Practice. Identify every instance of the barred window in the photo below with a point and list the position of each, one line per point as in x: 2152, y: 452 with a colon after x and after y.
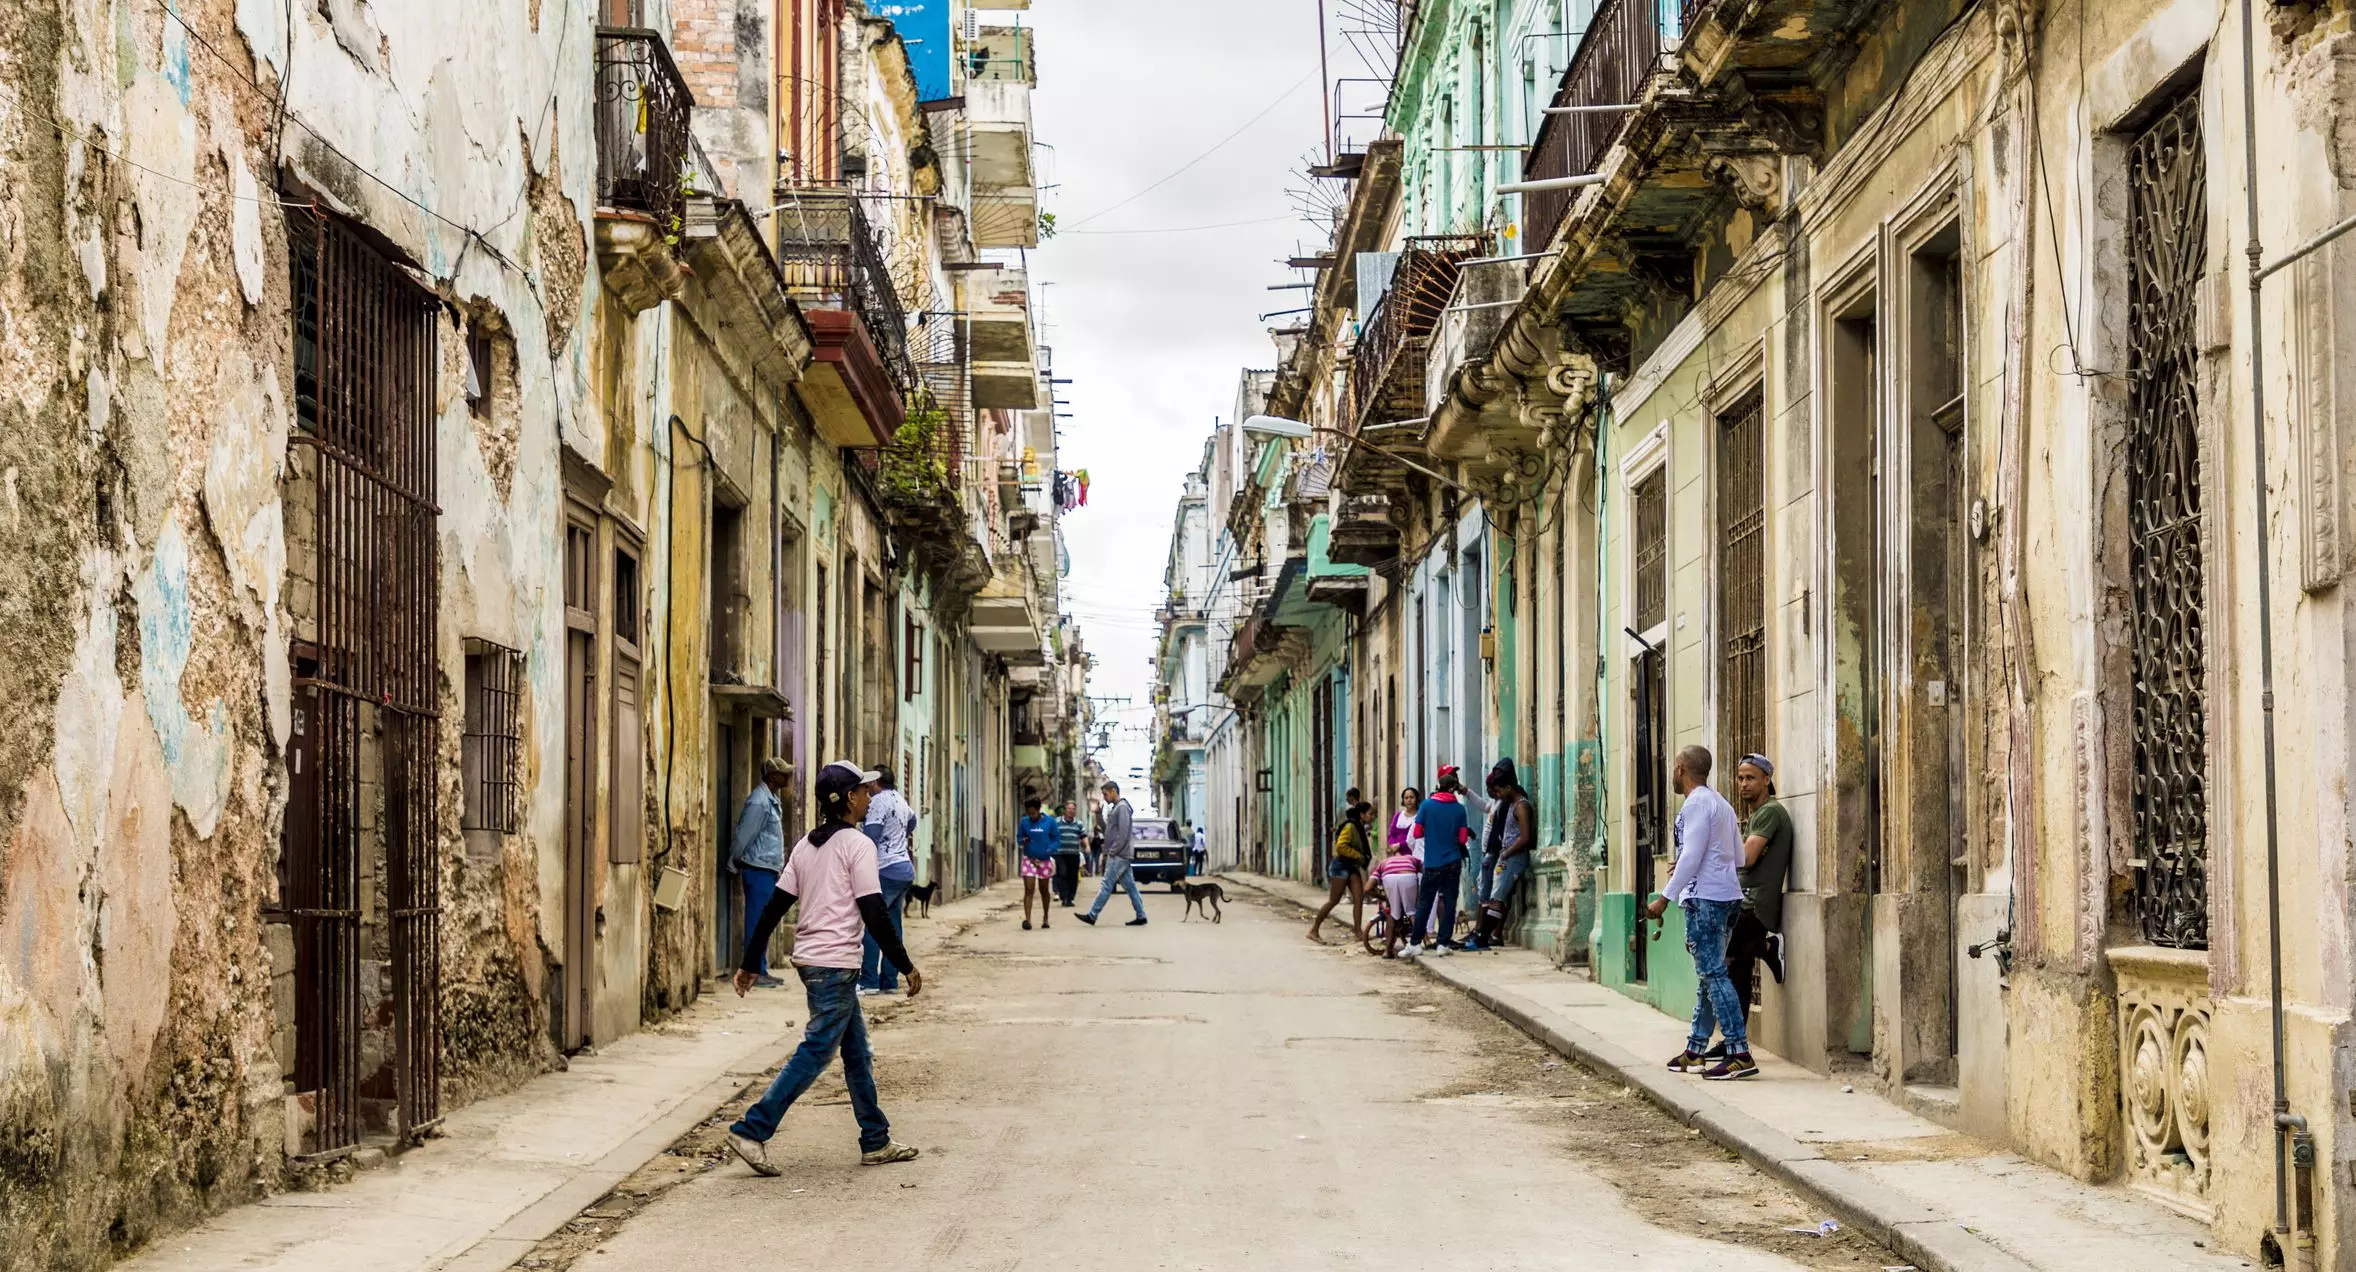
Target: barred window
x: 1742, y: 570
x: 491, y: 750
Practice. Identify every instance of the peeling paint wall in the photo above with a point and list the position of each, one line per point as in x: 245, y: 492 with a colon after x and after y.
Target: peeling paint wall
x: 148, y: 554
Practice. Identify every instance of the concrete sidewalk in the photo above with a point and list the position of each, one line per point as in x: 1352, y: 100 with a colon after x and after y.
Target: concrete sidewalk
x: 1944, y: 1201
x: 512, y: 1169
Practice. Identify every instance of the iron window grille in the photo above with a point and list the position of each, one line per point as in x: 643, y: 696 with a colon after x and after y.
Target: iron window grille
x: 491, y: 746
x: 1651, y: 508
x: 2167, y: 239
x: 1742, y: 602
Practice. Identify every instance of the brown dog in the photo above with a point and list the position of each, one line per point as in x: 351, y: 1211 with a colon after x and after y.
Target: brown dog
x: 1199, y: 893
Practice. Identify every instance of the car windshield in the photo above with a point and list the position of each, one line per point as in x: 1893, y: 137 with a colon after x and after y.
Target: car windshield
x: 1151, y: 828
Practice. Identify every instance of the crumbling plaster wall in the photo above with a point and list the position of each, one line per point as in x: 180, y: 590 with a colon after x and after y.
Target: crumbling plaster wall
x: 144, y: 416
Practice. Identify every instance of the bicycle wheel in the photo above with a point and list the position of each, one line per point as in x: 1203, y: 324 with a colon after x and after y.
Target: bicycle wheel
x: 1378, y: 934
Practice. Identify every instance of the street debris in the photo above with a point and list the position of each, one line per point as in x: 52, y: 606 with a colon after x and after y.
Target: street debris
x: 1824, y: 1229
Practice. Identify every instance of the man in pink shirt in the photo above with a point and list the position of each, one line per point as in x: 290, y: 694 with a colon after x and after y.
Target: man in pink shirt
x: 832, y: 873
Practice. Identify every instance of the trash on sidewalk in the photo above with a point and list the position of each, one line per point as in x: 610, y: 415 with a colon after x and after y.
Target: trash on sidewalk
x: 1824, y: 1229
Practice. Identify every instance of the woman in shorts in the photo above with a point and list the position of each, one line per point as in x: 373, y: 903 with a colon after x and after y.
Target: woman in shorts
x: 1346, y: 869
x: 1038, y: 836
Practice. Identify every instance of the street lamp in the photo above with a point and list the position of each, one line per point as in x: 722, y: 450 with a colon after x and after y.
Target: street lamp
x: 1278, y: 426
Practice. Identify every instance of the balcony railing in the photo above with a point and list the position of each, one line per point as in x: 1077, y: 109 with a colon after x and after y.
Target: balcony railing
x: 1387, y: 372
x: 1621, y: 48
x: 825, y: 244
x: 643, y: 108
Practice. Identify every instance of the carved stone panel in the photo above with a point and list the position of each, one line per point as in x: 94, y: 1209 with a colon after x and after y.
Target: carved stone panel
x: 2164, y: 1078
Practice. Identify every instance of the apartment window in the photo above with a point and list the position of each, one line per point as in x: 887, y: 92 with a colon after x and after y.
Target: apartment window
x: 626, y: 599
x: 489, y: 747
x: 1651, y: 508
x: 1742, y: 597
x: 2167, y: 234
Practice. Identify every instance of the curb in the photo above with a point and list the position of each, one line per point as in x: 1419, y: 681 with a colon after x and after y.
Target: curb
x: 1929, y: 1239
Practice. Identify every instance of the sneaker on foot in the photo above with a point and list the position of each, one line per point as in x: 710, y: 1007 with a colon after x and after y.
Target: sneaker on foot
x: 1139, y: 921
x: 889, y: 1153
x: 767, y: 982
x: 1716, y: 1052
x: 870, y: 991
x: 1088, y: 919
x: 1737, y: 1065
x: 1685, y: 1062
x: 755, y: 1155
x: 1412, y: 951
x: 1442, y: 948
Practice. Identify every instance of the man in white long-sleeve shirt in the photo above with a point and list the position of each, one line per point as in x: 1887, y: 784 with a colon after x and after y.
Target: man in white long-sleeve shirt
x: 1707, y: 884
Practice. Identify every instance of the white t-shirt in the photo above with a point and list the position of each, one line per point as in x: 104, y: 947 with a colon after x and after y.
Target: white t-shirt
x: 829, y: 879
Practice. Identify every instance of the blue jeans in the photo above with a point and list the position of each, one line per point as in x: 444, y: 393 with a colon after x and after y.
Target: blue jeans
x: 1716, y: 1008
x: 835, y: 1025
x: 1117, y: 874
x: 876, y: 971
x: 1437, y: 889
x: 1508, y: 873
x: 758, y: 884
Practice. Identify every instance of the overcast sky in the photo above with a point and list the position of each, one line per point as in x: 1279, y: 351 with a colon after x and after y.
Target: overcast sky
x: 1153, y: 327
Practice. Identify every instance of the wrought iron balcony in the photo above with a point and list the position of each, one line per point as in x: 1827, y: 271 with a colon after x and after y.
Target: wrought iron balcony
x: 831, y: 258
x: 1621, y: 49
x: 1387, y: 372
x: 643, y: 108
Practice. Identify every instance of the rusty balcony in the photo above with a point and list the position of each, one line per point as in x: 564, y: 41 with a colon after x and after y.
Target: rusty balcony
x: 1388, y: 370
x: 643, y: 108
x: 1621, y: 50
x: 834, y: 268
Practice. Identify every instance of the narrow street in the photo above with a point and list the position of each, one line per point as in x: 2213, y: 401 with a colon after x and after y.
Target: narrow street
x: 1190, y: 1095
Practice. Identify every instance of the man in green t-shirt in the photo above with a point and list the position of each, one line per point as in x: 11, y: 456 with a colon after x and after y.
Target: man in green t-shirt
x: 1766, y: 863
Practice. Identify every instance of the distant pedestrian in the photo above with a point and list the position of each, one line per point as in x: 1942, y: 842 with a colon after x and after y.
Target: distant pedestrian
x: 1345, y: 869
x: 1071, y: 847
x: 891, y: 823
x: 1198, y: 850
x: 1767, y: 857
x: 1513, y: 831
x: 1707, y: 884
x: 1403, y: 826
x: 1118, y: 857
x: 1445, y: 827
x: 1397, y: 875
x: 757, y: 850
x: 1037, y: 836
x: 832, y: 874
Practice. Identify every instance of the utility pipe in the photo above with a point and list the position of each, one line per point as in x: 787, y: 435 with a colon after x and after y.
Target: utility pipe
x: 1551, y: 183
x: 2290, y: 1129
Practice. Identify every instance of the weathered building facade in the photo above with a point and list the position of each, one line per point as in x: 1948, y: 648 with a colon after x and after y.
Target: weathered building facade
x: 1942, y: 399
x: 437, y: 477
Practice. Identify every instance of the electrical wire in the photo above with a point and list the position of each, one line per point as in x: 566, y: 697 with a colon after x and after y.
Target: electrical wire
x: 1182, y: 169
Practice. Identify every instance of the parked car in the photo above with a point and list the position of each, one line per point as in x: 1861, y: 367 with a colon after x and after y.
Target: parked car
x: 1158, y: 855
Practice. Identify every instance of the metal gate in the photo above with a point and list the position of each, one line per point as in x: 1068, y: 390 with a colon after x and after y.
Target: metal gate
x: 2167, y: 246
x: 364, y: 368
x: 1648, y: 694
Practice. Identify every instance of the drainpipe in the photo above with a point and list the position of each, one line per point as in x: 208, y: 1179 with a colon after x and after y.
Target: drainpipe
x: 2293, y: 1143
x: 1604, y: 422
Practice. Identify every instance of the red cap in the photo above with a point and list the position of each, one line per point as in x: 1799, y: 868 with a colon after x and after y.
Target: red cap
x: 1449, y: 770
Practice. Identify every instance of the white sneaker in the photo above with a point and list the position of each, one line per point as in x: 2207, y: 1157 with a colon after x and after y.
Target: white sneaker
x: 868, y: 991
x: 1412, y: 951
x: 1441, y: 949
x: 755, y: 1156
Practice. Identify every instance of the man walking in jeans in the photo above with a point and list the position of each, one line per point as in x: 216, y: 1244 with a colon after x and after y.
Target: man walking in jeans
x: 832, y: 873
x: 1708, y: 885
x: 1118, y: 857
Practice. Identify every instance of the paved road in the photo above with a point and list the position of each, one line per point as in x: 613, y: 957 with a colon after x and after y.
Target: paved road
x: 1189, y: 1096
